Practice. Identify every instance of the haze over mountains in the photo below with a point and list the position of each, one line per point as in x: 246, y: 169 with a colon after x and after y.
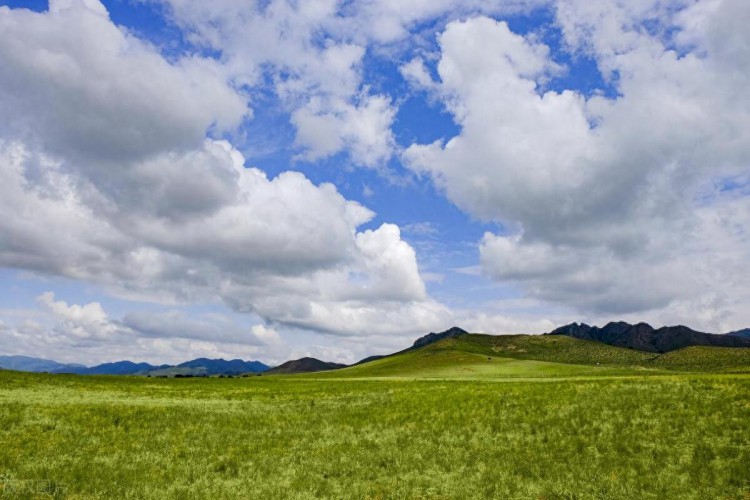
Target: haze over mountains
x: 640, y: 337
x: 200, y: 366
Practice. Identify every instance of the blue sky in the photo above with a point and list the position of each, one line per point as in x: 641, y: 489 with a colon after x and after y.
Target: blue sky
x: 277, y: 179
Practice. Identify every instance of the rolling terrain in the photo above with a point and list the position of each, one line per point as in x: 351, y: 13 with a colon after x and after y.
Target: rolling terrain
x: 461, y: 416
x: 617, y: 347
x: 568, y: 435
x: 304, y: 365
x: 530, y: 356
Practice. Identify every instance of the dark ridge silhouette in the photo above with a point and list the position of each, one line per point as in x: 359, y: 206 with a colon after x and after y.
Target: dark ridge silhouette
x: 118, y: 368
x: 644, y: 337
x: 741, y: 333
x: 200, y: 366
x: 304, y: 365
x: 222, y: 366
x: 428, y: 339
x: 434, y: 337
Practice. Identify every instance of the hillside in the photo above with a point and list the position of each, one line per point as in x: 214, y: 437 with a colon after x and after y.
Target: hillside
x: 703, y: 358
x: 501, y: 356
x: 433, y: 337
x: 304, y: 365
x: 487, y: 356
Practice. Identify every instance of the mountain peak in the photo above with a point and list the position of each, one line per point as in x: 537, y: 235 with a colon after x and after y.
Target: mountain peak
x: 305, y: 365
x: 644, y: 337
x: 434, y: 337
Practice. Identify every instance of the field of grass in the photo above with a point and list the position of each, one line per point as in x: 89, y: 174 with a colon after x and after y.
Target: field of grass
x: 683, y: 436
x: 702, y: 358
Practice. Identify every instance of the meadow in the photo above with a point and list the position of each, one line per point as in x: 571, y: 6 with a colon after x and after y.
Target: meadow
x: 566, y: 434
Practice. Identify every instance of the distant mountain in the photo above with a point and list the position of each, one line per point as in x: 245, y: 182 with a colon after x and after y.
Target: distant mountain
x: 434, y: 337
x: 222, y: 366
x: 29, y: 364
x: 644, y: 337
x: 304, y: 365
x: 741, y: 333
x: 200, y: 366
x: 428, y: 339
x: 119, y: 368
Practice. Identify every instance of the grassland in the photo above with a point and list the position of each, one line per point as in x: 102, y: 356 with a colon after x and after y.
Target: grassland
x: 589, y: 435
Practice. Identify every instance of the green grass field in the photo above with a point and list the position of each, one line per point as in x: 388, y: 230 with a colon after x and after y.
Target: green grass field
x: 441, y: 422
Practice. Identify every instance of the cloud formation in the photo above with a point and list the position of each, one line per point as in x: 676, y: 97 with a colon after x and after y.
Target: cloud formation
x: 611, y: 205
x: 624, y: 196
x: 130, y: 194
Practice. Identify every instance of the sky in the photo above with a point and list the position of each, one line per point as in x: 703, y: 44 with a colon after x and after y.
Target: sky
x: 275, y: 179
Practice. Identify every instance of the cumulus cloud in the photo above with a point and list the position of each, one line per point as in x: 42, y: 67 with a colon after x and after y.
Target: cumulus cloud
x: 319, y: 83
x: 107, y: 176
x: 87, y: 333
x: 314, y: 53
x: 93, y: 91
x: 80, y: 323
x: 283, y: 248
x: 611, y: 205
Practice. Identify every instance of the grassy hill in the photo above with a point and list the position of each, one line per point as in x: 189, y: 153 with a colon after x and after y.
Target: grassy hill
x: 486, y: 356
x: 708, y: 359
x: 303, y: 365
x: 519, y: 356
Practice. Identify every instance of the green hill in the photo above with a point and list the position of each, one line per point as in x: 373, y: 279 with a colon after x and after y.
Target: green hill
x: 708, y: 359
x: 553, y: 348
x: 485, y: 356
x: 533, y: 356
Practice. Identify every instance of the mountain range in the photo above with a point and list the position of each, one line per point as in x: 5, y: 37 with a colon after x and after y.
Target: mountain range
x: 29, y: 364
x: 200, y: 366
x: 639, y: 337
x: 644, y: 337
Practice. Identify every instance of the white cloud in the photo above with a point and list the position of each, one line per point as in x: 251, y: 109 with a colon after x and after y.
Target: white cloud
x: 209, y: 327
x: 107, y: 177
x: 325, y: 128
x: 316, y: 74
x: 611, y: 205
x: 498, y: 324
x: 95, y: 92
x: 266, y: 335
x: 313, y: 52
x: 416, y: 73
x: 87, y: 334
x: 282, y: 248
x: 81, y: 323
